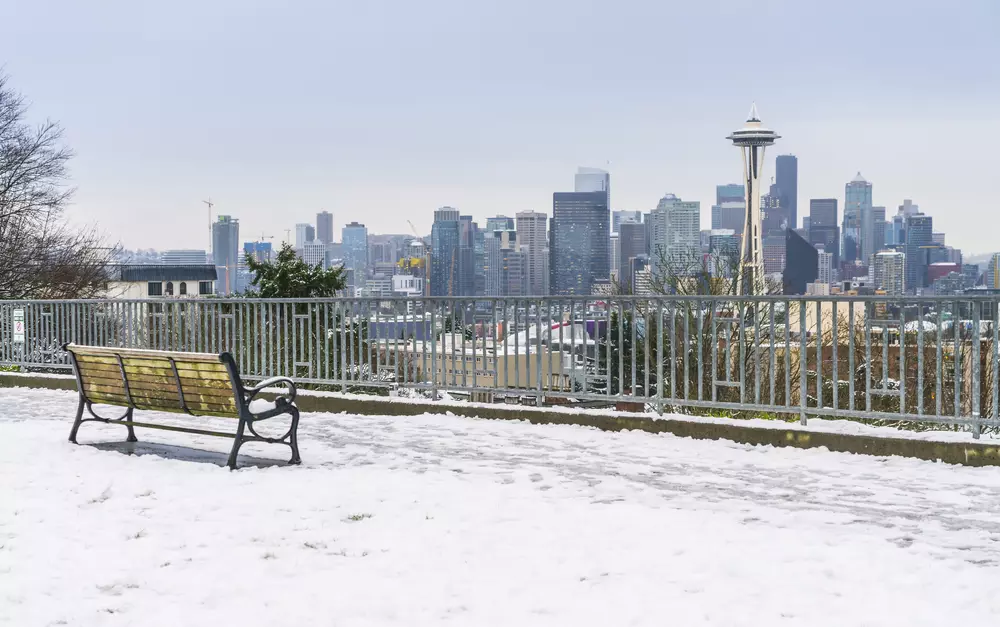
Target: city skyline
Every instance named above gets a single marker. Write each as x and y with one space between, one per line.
194 119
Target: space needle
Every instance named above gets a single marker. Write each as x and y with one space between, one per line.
752 139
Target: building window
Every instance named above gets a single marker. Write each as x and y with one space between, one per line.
183 289
204 287
170 288
154 288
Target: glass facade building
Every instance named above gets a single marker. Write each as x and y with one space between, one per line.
580 242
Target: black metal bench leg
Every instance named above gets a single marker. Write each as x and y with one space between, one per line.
78 421
294 439
237 444
131 432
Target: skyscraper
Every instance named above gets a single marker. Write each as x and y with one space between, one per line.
801 263
824 272
822 212
919 233
503 264
731 192
676 245
752 140
617 217
324 227
729 215
580 242
593 180
858 200
889 271
499 223
354 237
445 258
304 233
631 244
872 231
533 241
225 253
787 183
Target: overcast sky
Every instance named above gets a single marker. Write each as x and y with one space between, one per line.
382 111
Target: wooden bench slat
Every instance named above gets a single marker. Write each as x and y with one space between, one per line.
163 370
96 352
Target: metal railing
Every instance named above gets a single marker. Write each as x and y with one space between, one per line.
918 360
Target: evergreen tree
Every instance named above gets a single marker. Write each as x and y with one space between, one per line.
289 276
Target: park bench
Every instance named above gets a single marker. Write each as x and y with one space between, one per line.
196 384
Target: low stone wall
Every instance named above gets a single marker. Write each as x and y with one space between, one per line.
966 453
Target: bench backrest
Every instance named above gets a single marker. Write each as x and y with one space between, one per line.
195 383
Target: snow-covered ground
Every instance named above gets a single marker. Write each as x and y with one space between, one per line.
436 520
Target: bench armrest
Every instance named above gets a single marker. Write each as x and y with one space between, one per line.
282 399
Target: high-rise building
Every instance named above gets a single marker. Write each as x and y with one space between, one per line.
185 257
354 237
615 258
314 254
858 199
889 271
723 252
937 238
617 217
676 231
260 251
324 227
732 192
304 233
919 233
774 254
801 263
445 258
631 244
824 267
729 215
752 140
593 180
823 212
471 250
225 253
786 171
580 242
908 208
872 231
499 223
773 216
503 264
993 272
533 242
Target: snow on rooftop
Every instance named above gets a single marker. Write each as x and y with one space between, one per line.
435 520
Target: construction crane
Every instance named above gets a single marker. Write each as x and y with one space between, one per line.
210 205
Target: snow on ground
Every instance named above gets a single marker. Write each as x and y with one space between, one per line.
441 520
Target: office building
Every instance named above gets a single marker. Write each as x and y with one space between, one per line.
729 215
615 258
445 259
580 242
786 188
499 223
772 214
533 242
304 233
889 272
354 239
822 212
824 267
314 254
260 251
185 257
774 254
324 227
858 200
631 244
225 253
872 231
723 252
593 180
802 264
752 140
919 231
617 217
470 281
676 234
732 192
503 264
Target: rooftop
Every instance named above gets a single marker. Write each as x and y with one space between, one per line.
161 272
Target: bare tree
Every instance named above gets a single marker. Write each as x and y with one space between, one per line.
41 255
